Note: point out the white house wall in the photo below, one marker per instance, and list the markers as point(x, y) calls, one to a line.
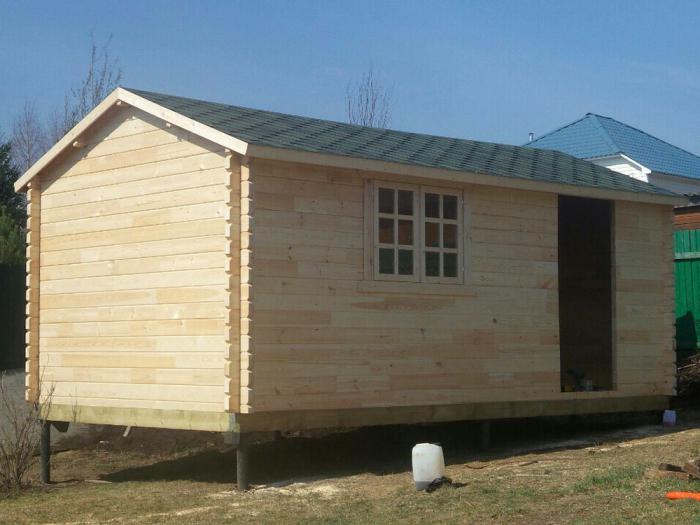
point(622, 165)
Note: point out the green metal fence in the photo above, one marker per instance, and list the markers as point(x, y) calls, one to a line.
point(687, 248)
point(12, 286)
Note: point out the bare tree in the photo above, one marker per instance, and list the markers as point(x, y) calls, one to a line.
point(20, 431)
point(31, 137)
point(369, 102)
point(103, 75)
point(29, 140)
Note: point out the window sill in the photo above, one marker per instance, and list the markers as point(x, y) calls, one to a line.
point(411, 288)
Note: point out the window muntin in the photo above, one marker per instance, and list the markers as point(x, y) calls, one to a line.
point(418, 233)
point(396, 225)
point(441, 240)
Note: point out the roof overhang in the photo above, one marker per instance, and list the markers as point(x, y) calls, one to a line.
point(122, 96)
point(641, 167)
point(621, 156)
point(675, 176)
point(412, 170)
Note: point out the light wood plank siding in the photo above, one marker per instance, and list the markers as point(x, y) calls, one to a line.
point(645, 301)
point(133, 293)
point(326, 338)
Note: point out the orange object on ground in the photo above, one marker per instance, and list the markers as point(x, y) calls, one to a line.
point(683, 495)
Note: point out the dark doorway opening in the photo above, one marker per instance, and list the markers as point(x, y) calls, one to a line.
point(585, 294)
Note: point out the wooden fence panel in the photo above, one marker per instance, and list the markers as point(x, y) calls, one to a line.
point(687, 256)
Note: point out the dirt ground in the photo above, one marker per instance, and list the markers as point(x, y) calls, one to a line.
point(572, 470)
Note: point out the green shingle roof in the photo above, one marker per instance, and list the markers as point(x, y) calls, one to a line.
point(278, 130)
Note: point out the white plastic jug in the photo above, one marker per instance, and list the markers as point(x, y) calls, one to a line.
point(428, 464)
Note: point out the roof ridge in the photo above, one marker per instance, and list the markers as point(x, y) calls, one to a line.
point(649, 135)
point(604, 133)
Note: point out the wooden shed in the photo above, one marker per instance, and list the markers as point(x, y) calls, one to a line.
point(195, 265)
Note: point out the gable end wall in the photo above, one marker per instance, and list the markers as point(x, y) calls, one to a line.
point(133, 270)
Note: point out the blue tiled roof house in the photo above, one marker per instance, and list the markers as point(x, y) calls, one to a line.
point(628, 150)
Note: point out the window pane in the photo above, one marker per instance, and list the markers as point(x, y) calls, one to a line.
point(405, 262)
point(449, 235)
point(406, 232)
point(432, 264)
point(449, 207)
point(432, 205)
point(386, 231)
point(386, 260)
point(386, 200)
point(432, 234)
point(405, 202)
point(449, 261)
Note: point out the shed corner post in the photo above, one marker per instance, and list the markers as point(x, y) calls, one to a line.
point(239, 304)
point(45, 451)
point(242, 444)
point(242, 464)
point(232, 316)
point(33, 231)
point(246, 284)
point(484, 435)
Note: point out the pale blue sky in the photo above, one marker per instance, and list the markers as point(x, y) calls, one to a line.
point(487, 70)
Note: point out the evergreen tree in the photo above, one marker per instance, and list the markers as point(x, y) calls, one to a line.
point(13, 202)
point(11, 239)
point(12, 211)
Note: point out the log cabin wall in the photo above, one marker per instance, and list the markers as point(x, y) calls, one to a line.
point(134, 261)
point(328, 336)
point(645, 305)
point(160, 286)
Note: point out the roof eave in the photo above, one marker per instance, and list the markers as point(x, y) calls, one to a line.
point(675, 176)
point(121, 95)
point(447, 175)
point(621, 156)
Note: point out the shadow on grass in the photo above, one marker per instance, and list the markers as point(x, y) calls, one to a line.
point(384, 450)
point(346, 453)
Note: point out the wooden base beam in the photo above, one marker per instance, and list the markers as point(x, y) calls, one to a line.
point(145, 417)
point(350, 418)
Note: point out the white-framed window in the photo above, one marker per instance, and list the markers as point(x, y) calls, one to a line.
point(443, 246)
point(417, 233)
point(396, 232)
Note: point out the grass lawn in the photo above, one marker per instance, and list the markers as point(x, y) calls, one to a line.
point(536, 473)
